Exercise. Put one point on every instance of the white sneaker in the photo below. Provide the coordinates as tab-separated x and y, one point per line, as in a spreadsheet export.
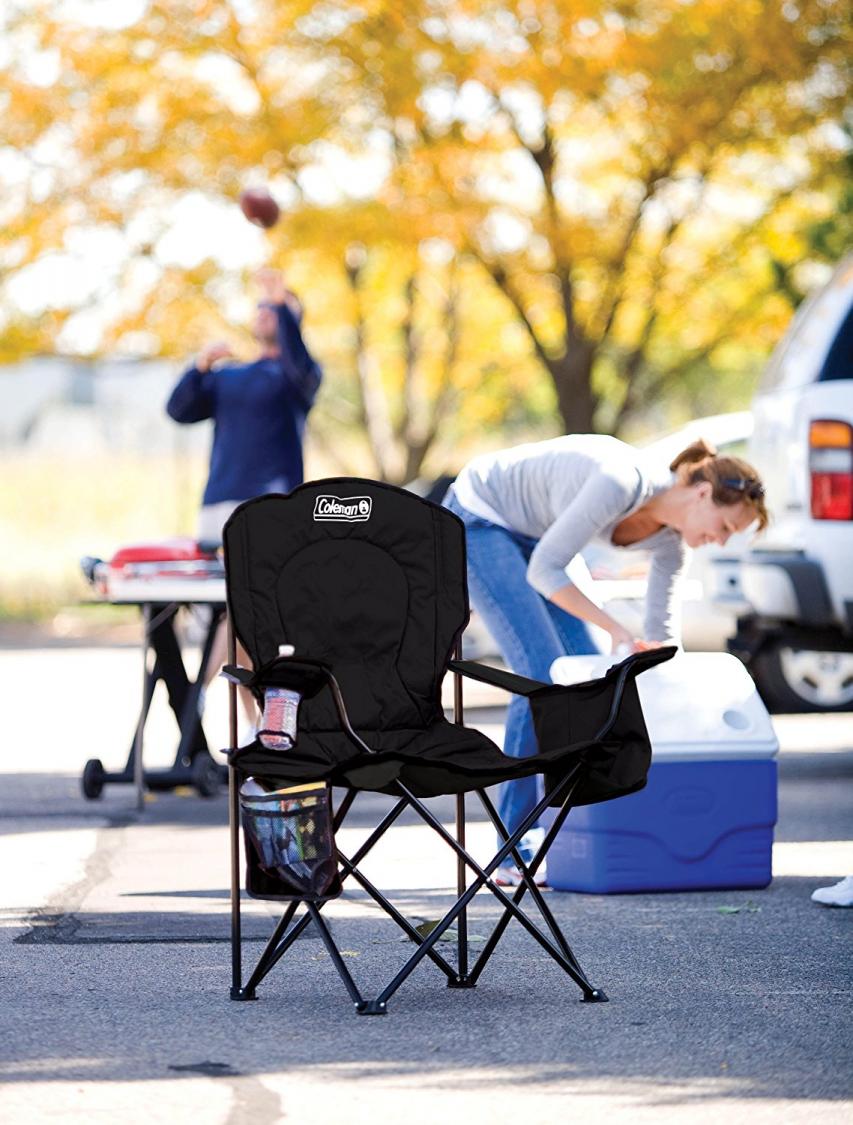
839	894
511	877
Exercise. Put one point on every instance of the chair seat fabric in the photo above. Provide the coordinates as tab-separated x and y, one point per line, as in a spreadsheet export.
442	759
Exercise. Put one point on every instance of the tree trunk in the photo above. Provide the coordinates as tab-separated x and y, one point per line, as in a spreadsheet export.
572	377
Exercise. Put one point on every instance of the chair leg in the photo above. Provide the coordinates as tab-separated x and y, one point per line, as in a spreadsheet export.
237	990
337	959
461	980
265	961
278	944
483	878
510	906
528	872
273	950
453	977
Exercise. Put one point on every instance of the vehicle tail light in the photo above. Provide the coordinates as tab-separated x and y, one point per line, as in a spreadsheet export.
831	469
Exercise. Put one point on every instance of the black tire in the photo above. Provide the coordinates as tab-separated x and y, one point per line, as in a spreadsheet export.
800	680
92	781
204	773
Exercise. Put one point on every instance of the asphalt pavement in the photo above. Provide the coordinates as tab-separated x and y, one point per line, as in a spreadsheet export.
115	963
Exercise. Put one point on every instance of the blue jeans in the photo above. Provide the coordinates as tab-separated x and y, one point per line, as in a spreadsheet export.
531	633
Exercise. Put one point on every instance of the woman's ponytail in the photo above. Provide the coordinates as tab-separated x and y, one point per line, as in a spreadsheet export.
696	452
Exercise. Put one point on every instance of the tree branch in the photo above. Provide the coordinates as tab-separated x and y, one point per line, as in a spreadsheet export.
614	293
502	280
638	354
544	155
410	359
444	396
372	410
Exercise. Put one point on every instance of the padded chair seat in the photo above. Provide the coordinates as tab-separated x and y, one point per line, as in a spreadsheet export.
443	758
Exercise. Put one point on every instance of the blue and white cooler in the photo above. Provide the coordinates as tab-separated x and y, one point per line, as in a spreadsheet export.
705	820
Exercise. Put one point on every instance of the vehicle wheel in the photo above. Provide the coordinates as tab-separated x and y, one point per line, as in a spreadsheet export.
204	773
92	781
800	679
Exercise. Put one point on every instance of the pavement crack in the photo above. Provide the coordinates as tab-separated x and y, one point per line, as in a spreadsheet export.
56	923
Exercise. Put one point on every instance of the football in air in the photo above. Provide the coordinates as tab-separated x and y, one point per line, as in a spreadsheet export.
259	207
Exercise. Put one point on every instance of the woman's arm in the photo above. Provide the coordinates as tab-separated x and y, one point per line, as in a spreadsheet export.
575	602
603	498
663	619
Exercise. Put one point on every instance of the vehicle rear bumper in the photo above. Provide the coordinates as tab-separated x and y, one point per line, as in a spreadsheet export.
789	587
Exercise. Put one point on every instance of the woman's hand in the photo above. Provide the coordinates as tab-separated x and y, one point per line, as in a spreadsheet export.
621	641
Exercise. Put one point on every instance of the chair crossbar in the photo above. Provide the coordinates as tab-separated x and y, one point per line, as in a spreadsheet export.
335	954
273	951
266	961
392	911
483	879
528	872
282	940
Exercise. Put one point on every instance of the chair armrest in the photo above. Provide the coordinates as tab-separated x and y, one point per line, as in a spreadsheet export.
302	674
522	685
498	677
243	677
617	676
299	673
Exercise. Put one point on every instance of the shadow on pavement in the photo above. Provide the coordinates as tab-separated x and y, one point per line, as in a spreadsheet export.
748	1003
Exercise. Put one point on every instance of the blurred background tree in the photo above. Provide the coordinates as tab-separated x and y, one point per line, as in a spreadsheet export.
494	209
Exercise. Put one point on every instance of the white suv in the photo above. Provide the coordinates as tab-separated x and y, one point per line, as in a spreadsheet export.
798	577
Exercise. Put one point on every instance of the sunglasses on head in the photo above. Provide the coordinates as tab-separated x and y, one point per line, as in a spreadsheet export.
752	489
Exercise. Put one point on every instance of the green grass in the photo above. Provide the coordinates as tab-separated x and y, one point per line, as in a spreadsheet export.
53	512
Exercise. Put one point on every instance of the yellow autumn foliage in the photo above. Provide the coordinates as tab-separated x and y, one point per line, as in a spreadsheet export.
566	208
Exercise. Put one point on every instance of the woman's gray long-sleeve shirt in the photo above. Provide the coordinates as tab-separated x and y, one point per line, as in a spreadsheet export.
569	492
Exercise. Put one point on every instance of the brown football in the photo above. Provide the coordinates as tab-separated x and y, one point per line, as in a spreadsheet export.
259	207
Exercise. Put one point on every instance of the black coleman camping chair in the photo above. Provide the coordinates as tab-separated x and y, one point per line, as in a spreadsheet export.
367	583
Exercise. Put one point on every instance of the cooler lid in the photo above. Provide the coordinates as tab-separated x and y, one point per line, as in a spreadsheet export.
698	706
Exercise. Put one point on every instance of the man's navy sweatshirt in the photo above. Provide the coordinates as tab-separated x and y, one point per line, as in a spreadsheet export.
259	411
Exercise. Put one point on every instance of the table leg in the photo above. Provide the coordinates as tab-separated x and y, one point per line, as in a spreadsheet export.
138	777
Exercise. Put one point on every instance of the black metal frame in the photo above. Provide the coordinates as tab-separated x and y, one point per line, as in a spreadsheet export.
289	927
193	764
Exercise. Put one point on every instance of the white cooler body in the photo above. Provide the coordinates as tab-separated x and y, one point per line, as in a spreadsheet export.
705	820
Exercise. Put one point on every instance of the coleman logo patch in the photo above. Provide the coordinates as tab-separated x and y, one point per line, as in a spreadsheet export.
350	509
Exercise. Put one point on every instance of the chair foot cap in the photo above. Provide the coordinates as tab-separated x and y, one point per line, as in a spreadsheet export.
595	996
241	994
372	1008
461	982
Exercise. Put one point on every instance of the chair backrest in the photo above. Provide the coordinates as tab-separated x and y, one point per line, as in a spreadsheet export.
364	576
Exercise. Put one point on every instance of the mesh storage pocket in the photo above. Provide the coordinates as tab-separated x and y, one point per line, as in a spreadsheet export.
290	848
